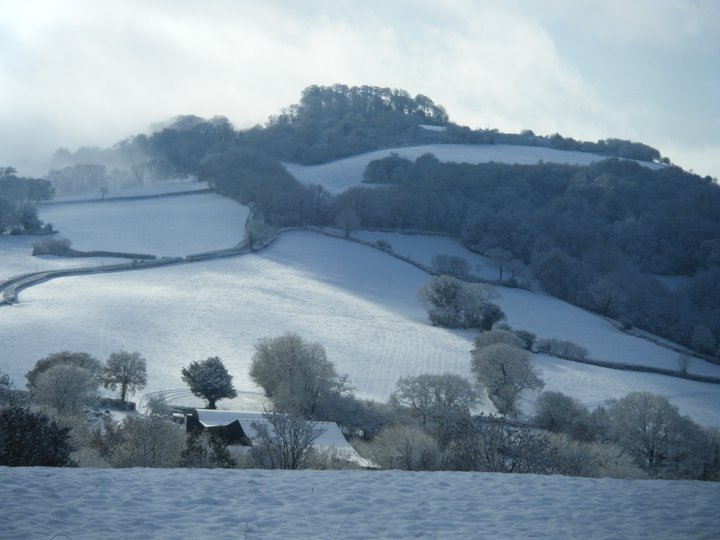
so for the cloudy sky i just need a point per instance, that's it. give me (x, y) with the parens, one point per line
(90, 72)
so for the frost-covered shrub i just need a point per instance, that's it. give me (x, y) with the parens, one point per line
(407, 448)
(495, 336)
(51, 245)
(445, 317)
(454, 304)
(79, 359)
(488, 444)
(158, 405)
(66, 387)
(147, 441)
(592, 460)
(561, 348)
(554, 411)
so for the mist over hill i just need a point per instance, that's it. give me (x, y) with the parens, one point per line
(597, 235)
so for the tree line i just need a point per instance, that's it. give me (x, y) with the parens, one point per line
(328, 123)
(18, 197)
(429, 422)
(597, 236)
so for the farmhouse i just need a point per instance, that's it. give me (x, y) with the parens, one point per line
(236, 427)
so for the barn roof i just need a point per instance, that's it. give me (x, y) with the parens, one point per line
(331, 437)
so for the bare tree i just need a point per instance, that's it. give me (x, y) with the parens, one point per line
(505, 371)
(500, 259)
(126, 371)
(431, 397)
(495, 336)
(592, 459)
(283, 441)
(65, 387)
(493, 445)
(147, 441)
(297, 375)
(684, 361)
(557, 412)
(408, 448)
(347, 219)
(650, 428)
(451, 265)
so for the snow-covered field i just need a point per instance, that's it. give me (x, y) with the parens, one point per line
(171, 226)
(339, 175)
(546, 316)
(147, 190)
(422, 248)
(255, 504)
(358, 302)
(16, 258)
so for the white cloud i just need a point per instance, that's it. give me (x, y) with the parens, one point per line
(86, 72)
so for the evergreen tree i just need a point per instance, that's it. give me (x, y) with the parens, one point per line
(209, 380)
(30, 439)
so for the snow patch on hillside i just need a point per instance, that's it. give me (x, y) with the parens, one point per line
(44, 502)
(337, 176)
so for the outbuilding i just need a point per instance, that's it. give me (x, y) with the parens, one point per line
(236, 427)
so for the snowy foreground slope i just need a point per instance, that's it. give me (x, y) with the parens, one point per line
(359, 302)
(254, 504)
(336, 176)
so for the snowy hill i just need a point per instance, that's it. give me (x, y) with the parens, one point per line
(359, 302)
(253, 504)
(337, 176)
